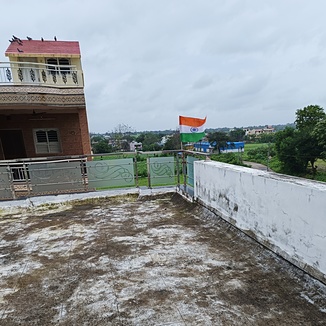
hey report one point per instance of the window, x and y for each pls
(64, 65)
(47, 141)
(56, 65)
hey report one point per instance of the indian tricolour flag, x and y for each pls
(191, 129)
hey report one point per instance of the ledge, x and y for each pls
(36, 95)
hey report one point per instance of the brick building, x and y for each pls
(42, 101)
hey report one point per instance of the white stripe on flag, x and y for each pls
(191, 130)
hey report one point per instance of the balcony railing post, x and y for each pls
(8, 74)
(149, 172)
(83, 167)
(11, 180)
(184, 171)
(178, 170)
(29, 73)
(136, 169)
(28, 184)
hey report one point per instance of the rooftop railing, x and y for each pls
(32, 177)
(38, 74)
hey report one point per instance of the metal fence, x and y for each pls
(33, 177)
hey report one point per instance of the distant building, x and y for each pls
(165, 139)
(135, 146)
(42, 100)
(233, 147)
(267, 130)
(204, 147)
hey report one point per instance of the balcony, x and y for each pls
(38, 74)
(26, 84)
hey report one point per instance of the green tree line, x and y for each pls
(295, 148)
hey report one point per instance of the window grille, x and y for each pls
(56, 65)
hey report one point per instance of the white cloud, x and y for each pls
(240, 62)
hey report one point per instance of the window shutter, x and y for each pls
(52, 136)
(41, 136)
(47, 141)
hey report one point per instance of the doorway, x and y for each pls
(12, 144)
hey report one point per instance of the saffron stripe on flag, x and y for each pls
(193, 122)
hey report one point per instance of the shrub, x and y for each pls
(260, 154)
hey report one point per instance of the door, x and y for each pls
(12, 144)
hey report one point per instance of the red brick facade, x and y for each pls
(42, 103)
(72, 129)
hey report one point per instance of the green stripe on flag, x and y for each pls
(192, 137)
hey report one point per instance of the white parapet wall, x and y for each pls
(286, 214)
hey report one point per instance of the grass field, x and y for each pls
(276, 165)
(249, 147)
(321, 165)
(254, 145)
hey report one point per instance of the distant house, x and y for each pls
(135, 146)
(42, 100)
(164, 139)
(259, 131)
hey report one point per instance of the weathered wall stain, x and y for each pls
(286, 214)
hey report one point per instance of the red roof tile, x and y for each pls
(44, 47)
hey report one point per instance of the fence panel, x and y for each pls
(161, 170)
(111, 173)
(56, 177)
(5, 184)
(75, 174)
(190, 170)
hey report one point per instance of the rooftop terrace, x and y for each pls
(148, 258)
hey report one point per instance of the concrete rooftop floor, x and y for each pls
(151, 260)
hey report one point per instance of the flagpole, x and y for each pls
(183, 162)
(184, 169)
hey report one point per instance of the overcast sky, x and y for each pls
(238, 62)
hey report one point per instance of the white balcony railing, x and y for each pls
(28, 73)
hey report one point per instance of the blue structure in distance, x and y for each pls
(231, 147)
(204, 147)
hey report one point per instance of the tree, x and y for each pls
(140, 138)
(102, 147)
(308, 117)
(308, 145)
(320, 134)
(236, 134)
(120, 134)
(266, 138)
(297, 147)
(287, 151)
(218, 140)
(151, 141)
(97, 138)
(173, 142)
(250, 138)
